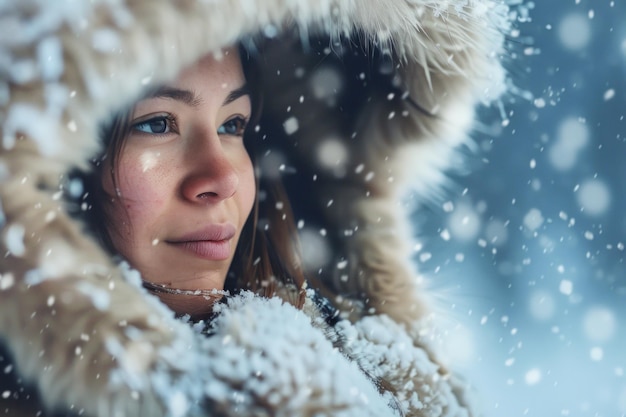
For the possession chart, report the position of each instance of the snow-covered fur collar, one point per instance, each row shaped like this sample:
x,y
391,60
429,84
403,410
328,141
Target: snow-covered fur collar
x,y
94,342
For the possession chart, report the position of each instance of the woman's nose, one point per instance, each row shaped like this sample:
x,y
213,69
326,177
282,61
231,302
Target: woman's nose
x,y
211,176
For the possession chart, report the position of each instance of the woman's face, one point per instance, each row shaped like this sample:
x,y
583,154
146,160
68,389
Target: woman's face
x,y
185,182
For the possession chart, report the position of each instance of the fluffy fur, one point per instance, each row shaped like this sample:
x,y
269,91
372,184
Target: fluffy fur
x,y
90,340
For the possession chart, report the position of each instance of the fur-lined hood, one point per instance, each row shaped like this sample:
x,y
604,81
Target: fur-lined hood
x,y
365,98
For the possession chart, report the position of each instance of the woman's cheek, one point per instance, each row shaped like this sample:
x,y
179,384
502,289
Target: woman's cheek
x,y
248,185
143,184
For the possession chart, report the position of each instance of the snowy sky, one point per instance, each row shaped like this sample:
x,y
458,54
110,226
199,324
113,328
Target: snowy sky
x,y
529,248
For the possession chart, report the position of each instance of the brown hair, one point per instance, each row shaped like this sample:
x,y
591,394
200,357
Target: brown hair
x,y
267,257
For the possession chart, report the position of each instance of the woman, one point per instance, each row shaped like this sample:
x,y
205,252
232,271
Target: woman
x,y
175,188
360,99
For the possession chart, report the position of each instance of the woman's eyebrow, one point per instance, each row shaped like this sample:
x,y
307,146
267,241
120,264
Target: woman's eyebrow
x,y
191,99
184,96
235,94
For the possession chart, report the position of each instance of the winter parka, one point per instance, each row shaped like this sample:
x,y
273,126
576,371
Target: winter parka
x,y
364,100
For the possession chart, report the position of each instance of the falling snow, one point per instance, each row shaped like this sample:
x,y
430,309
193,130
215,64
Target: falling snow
x,y
533,219
533,376
14,239
599,324
566,287
575,31
316,247
531,244
464,222
594,197
332,154
532,251
572,137
291,125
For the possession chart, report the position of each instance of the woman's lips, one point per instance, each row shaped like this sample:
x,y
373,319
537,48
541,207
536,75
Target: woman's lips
x,y
210,243
212,250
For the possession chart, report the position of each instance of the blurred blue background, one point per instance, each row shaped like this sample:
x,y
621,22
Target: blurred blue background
x,y
528,248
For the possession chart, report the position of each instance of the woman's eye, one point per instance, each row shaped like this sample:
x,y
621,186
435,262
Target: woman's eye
x,y
235,127
155,126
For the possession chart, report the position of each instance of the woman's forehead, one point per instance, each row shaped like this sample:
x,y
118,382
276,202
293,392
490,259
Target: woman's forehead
x,y
221,70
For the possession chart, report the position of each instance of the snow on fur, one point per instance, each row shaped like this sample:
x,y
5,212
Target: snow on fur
x,y
384,349
273,362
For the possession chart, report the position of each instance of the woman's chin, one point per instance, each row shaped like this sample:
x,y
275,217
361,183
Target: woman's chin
x,y
198,307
